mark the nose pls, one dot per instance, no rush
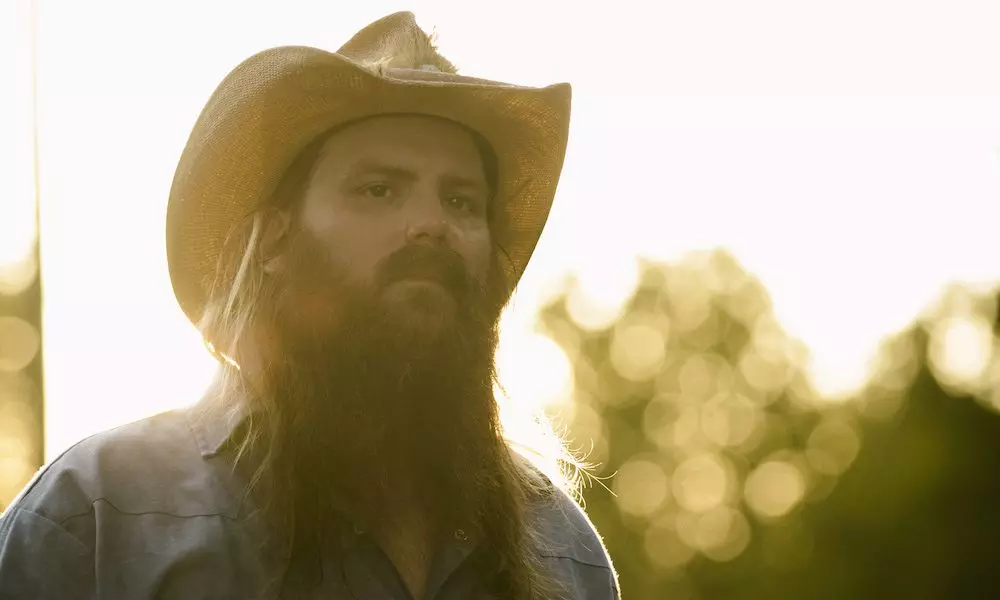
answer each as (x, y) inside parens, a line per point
(427, 226)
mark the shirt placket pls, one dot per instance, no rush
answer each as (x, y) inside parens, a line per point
(369, 573)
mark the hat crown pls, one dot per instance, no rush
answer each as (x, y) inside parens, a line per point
(396, 42)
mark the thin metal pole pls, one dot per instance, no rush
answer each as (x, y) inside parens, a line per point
(39, 370)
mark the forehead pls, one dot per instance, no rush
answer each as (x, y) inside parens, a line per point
(416, 142)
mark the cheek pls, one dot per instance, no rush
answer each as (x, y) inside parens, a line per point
(355, 252)
(479, 256)
(352, 245)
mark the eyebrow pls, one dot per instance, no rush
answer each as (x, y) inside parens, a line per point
(369, 167)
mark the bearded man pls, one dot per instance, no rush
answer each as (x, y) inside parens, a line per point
(345, 230)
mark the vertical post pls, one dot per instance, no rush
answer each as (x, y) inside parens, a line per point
(37, 371)
(21, 384)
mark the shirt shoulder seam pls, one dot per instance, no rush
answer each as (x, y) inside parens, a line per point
(144, 512)
(578, 561)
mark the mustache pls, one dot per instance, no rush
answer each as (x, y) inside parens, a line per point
(437, 263)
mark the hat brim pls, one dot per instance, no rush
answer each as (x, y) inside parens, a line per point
(275, 103)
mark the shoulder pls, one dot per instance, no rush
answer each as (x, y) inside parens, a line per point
(151, 465)
(562, 525)
(125, 512)
(567, 531)
(566, 538)
(569, 539)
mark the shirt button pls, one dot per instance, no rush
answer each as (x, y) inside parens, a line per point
(461, 536)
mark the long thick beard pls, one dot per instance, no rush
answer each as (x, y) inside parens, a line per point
(358, 418)
(376, 425)
(366, 410)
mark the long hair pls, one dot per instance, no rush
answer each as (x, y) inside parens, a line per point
(531, 472)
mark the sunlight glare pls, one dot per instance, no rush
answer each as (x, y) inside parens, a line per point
(18, 229)
(601, 289)
(534, 369)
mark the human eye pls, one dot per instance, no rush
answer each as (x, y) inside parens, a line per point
(378, 191)
(463, 203)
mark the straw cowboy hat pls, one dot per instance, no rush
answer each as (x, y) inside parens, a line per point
(271, 106)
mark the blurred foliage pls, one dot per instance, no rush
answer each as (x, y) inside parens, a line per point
(733, 479)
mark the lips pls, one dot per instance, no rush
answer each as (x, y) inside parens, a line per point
(427, 274)
(425, 263)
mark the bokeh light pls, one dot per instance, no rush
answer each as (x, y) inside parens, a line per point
(961, 349)
(702, 483)
(638, 350)
(729, 419)
(763, 373)
(18, 274)
(717, 385)
(19, 343)
(721, 534)
(701, 375)
(641, 486)
(832, 446)
(775, 488)
(665, 548)
(686, 429)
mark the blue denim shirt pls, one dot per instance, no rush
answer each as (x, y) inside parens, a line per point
(152, 510)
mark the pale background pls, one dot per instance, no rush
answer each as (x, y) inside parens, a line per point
(847, 152)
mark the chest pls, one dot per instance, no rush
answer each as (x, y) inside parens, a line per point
(157, 556)
(411, 553)
(152, 556)
(396, 567)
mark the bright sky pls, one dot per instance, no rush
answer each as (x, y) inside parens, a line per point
(848, 153)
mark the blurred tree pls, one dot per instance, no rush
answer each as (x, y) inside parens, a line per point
(733, 479)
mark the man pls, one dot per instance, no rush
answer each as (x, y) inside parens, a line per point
(344, 229)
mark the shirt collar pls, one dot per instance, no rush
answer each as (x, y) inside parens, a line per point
(213, 423)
